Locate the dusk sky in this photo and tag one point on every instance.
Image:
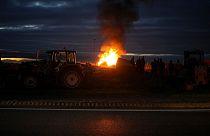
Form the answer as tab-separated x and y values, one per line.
164	26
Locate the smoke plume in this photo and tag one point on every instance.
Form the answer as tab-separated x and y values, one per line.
116	17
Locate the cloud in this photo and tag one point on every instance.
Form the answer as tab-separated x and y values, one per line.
48	4
21	27
78	26
30	27
149	21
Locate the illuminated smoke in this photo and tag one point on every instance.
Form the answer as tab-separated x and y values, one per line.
115	18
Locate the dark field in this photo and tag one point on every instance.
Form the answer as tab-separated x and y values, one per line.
130	82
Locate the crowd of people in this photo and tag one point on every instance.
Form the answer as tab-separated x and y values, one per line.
162	69
159	68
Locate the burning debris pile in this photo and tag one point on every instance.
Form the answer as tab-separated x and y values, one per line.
110	57
115	17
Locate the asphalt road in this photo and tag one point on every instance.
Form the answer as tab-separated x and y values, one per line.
104	122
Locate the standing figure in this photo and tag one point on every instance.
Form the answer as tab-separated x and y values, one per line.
178	68
142	65
132	61
154	68
138	63
162	68
171	68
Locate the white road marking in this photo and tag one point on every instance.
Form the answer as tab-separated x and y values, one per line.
110	110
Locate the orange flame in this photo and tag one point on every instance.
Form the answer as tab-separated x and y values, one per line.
111	50
109	58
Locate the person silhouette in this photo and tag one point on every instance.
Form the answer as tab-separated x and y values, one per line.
132	60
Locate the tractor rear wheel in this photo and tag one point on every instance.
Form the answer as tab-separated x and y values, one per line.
30	82
71	79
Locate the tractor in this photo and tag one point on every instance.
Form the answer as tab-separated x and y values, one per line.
196	70
60	68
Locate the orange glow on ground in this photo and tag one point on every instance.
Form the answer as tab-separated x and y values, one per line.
107	126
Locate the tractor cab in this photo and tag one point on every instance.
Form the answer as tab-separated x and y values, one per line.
62	56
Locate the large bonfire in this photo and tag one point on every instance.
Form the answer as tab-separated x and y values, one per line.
109	57
115	17
110	52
